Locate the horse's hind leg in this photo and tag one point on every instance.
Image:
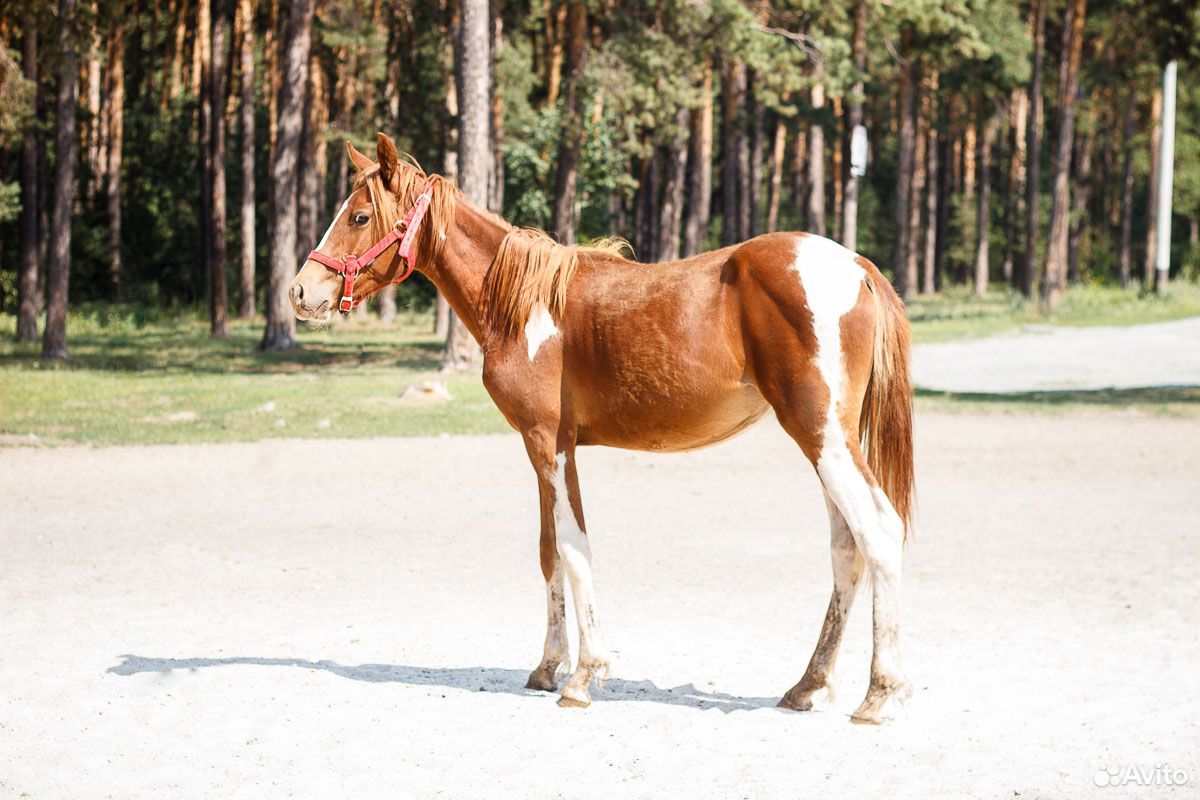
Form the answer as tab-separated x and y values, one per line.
877	532
847	570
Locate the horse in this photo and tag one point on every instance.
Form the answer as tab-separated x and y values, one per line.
582	346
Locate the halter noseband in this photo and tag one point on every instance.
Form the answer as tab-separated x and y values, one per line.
405	230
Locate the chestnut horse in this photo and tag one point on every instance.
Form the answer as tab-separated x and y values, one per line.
584	347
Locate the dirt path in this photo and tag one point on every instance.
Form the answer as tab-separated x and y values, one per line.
356	619
1047	358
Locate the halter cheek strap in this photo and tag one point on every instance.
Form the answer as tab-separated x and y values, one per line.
405	232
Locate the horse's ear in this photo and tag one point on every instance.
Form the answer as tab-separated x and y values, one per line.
359	161
389	160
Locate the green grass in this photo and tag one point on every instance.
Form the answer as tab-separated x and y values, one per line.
1171	401
138	377
165	381
958	314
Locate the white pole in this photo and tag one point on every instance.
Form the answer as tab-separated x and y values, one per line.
1166	168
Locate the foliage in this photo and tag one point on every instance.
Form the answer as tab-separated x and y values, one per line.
646	62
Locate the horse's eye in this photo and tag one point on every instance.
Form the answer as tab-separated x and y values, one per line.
361	219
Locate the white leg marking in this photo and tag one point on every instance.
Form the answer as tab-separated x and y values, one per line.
329	230
575	553
556	621
538	329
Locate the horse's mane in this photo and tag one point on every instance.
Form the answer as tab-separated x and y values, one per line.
531	271
391	202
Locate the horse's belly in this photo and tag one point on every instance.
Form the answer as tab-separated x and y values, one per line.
672	424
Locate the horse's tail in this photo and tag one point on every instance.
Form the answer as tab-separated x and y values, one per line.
886	423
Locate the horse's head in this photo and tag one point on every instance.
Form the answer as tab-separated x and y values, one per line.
367	215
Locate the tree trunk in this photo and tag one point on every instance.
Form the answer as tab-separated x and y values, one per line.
27	278
904	176
733	86
249	242
1016	183
1060	210
854	117
1125	249
93	126
933	182
496	179
442	311
945	156
753	210
673	180
800	173
699	171
567	164
919	186
983	172
836	164
310	168
1033	150
201	86
114	139
280	330
1156	107
174	84
745	197
1079	217
474	151
645	210
775	188
964	271
556	24
273	61
219	69
54	341
815	208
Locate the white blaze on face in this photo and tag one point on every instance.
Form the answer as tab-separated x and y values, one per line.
332	225
538	329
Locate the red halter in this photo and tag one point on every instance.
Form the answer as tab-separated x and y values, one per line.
405	230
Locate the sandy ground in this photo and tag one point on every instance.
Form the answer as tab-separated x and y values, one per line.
357	619
1048	358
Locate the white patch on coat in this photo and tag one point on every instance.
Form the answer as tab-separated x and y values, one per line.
332	225
538	329
575	553
832	281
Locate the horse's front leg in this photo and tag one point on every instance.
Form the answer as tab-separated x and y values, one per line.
558	482
555	655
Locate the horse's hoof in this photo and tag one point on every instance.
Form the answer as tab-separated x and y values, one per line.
798	699
571	698
542	680
881	705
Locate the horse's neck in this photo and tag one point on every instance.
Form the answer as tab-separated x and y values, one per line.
459	269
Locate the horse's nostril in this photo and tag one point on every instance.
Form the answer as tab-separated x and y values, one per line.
298	292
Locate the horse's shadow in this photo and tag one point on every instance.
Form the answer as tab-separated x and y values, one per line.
474	679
